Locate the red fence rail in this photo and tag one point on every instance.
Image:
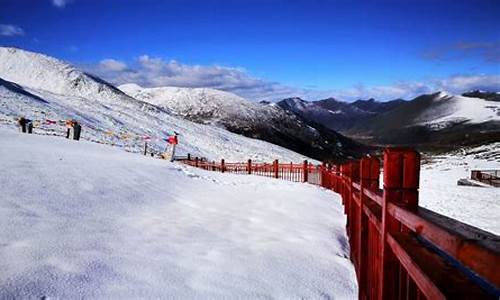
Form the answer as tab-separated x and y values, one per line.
399	250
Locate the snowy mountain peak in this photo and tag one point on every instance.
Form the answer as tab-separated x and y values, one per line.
189	102
296	103
442	95
41	72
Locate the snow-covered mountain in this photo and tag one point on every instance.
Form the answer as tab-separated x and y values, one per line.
490	96
439	119
446	110
40	87
205	104
265	121
44	73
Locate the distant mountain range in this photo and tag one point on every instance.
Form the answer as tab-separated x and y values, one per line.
37	85
438	120
335	114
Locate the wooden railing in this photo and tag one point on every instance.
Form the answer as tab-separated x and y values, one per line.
399	250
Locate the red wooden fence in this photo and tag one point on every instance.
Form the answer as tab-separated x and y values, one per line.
399	250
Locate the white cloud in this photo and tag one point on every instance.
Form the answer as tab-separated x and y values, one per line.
154	72
112	65
463	83
489	51
10	30
455	84
60	3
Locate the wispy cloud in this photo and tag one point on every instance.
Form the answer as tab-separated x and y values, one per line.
112	65
10	30
455	84
488	51
154	72
60	3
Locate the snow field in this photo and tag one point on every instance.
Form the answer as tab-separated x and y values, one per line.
79	219
476	206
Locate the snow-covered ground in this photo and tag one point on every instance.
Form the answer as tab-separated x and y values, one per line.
84	220
477	206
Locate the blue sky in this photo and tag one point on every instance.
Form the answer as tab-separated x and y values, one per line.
270	49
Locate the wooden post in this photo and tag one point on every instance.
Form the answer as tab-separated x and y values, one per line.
249	166
196	161
346	184
322	174
145	148
351	216
401	182
276	168
369	180
189	157
305	171
222	165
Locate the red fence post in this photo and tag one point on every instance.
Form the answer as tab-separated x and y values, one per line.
369	180
346	190
249	166
322	174
275	168
222	165
336	172
351	221
305	171
401	181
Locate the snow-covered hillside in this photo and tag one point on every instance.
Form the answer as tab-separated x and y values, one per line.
211	104
82	220
45	73
265	121
446	109
39	88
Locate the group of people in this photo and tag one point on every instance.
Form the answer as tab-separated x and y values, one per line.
73	127
26	125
